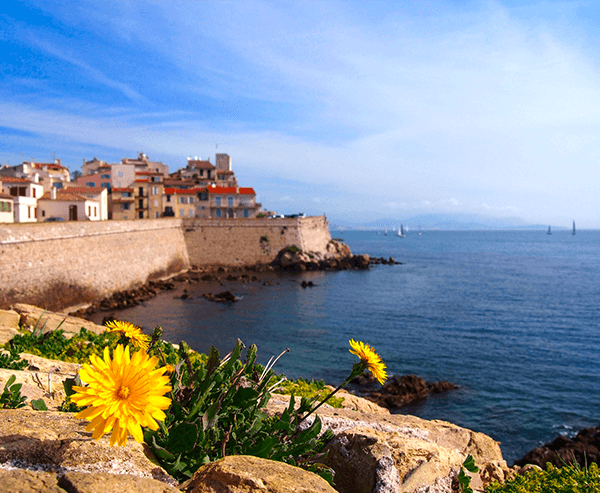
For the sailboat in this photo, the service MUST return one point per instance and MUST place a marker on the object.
(573, 228)
(549, 230)
(400, 232)
(385, 232)
(419, 230)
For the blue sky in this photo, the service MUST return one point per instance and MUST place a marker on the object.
(361, 110)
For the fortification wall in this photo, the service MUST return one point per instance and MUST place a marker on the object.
(237, 242)
(56, 265)
(65, 264)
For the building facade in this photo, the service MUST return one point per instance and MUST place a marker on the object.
(232, 202)
(25, 194)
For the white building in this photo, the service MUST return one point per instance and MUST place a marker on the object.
(25, 194)
(68, 206)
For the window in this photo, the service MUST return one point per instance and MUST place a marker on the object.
(141, 214)
(89, 210)
(105, 184)
(154, 190)
(43, 213)
(156, 215)
(218, 212)
(141, 204)
(120, 173)
(57, 184)
(245, 212)
(191, 213)
(105, 176)
(183, 200)
(126, 194)
(141, 190)
(230, 201)
(95, 211)
(156, 178)
(125, 206)
(168, 198)
(90, 184)
(190, 200)
(181, 212)
(155, 203)
(218, 201)
(33, 191)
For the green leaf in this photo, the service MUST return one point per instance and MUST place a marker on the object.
(160, 452)
(182, 437)
(263, 449)
(469, 464)
(211, 415)
(39, 405)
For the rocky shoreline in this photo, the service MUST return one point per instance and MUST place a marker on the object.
(290, 260)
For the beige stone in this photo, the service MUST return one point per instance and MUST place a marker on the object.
(9, 325)
(53, 440)
(36, 318)
(245, 474)
(22, 481)
(78, 482)
(392, 452)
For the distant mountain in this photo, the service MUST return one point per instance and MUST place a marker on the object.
(446, 222)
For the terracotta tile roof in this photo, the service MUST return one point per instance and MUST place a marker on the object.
(182, 191)
(141, 180)
(5, 196)
(14, 179)
(232, 190)
(122, 190)
(85, 189)
(64, 196)
(200, 164)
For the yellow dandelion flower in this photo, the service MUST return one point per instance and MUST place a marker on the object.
(169, 369)
(370, 359)
(134, 333)
(123, 394)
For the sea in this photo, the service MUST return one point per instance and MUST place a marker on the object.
(512, 317)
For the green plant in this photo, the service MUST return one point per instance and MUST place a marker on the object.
(11, 397)
(39, 405)
(568, 479)
(218, 410)
(264, 239)
(293, 249)
(54, 344)
(311, 389)
(12, 360)
(464, 480)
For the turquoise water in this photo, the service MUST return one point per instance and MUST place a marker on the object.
(511, 317)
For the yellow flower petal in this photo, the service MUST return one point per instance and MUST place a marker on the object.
(370, 359)
(123, 394)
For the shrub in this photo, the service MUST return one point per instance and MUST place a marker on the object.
(568, 479)
(218, 410)
(11, 397)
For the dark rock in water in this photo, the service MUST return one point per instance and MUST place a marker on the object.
(224, 296)
(308, 284)
(584, 448)
(400, 391)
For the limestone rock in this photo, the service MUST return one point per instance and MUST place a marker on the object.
(22, 481)
(43, 380)
(245, 474)
(58, 441)
(79, 482)
(375, 452)
(9, 325)
(34, 317)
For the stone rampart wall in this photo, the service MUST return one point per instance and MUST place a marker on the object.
(66, 264)
(56, 265)
(237, 242)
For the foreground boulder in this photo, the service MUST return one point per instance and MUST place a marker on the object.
(246, 474)
(57, 443)
(583, 448)
(336, 257)
(375, 452)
